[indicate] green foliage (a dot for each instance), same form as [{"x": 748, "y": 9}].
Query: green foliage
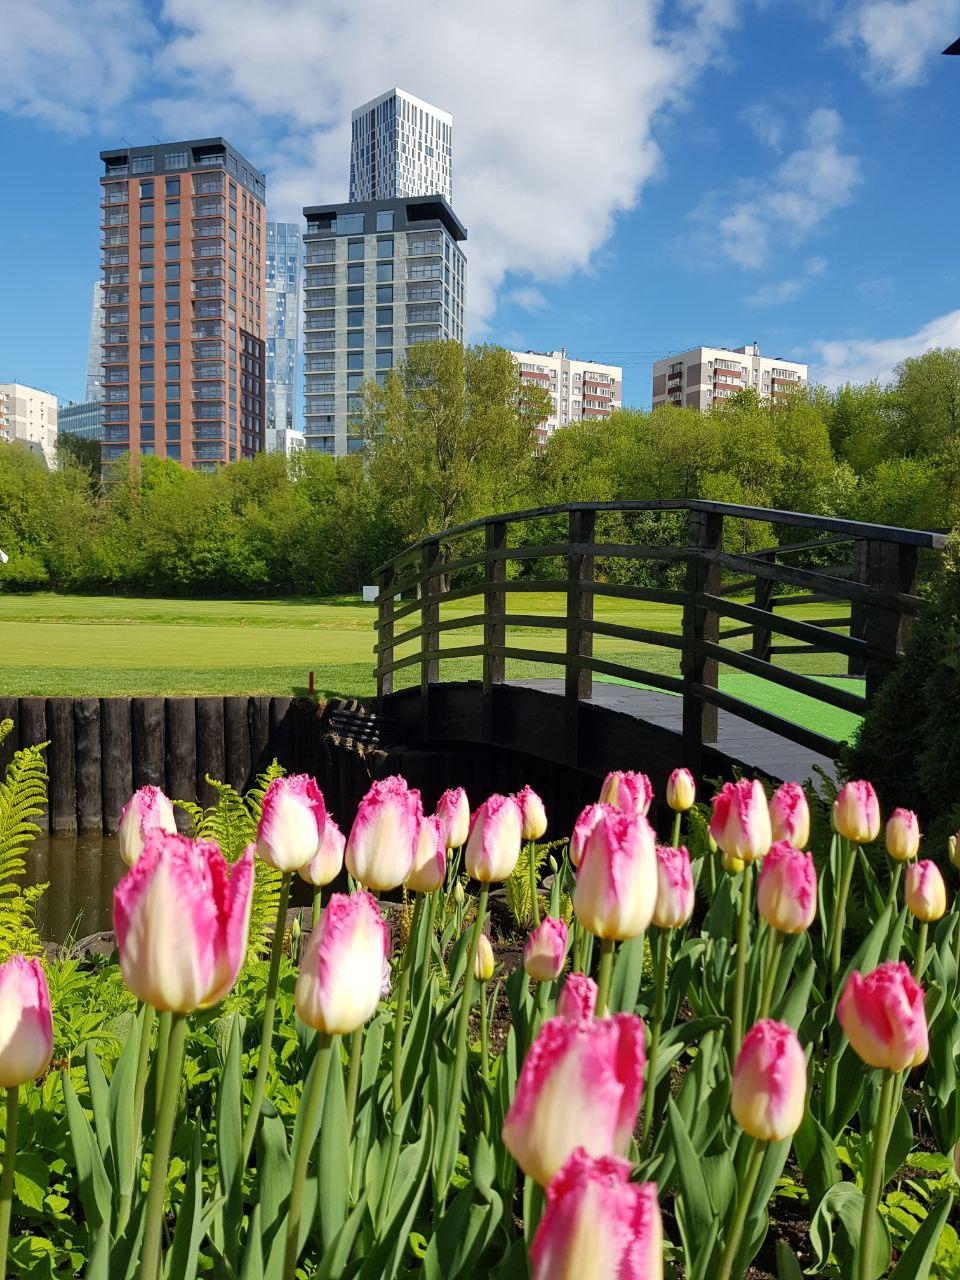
[{"x": 23, "y": 796}]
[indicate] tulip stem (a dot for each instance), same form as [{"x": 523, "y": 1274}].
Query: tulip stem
[
  {"x": 150, "y": 1268},
  {"x": 874, "y": 1179},
  {"x": 532, "y": 870},
  {"x": 353, "y": 1079},
  {"x": 743, "y": 939},
  {"x": 774, "y": 952},
  {"x": 848, "y": 857},
  {"x": 402, "y": 988},
  {"x": 919, "y": 963},
  {"x": 895, "y": 885},
  {"x": 484, "y": 1036},
  {"x": 675, "y": 834},
  {"x": 306, "y": 1137},
  {"x": 659, "y": 999},
  {"x": 452, "y": 1132},
  {"x": 605, "y": 974},
  {"x": 139, "y": 1089},
  {"x": 6, "y": 1178},
  {"x": 317, "y": 907},
  {"x": 751, "y": 1175},
  {"x": 269, "y": 1016}
]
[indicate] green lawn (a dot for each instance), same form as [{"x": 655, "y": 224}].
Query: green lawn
[{"x": 53, "y": 644}]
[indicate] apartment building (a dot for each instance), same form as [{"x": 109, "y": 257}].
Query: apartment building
[
  {"x": 92, "y": 389},
  {"x": 83, "y": 419},
  {"x": 28, "y": 416},
  {"x": 580, "y": 390},
  {"x": 283, "y": 329},
  {"x": 400, "y": 146},
  {"x": 381, "y": 276},
  {"x": 184, "y": 284},
  {"x": 704, "y": 375}
]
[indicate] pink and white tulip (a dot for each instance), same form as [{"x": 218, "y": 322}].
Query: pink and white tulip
[
  {"x": 675, "y": 892},
  {"x": 681, "y": 790},
  {"x": 787, "y": 889},
  {"x": 580, "y": 1086},
  {"x": 430, "y": 862},
  {"x": 182, "y": 920},
  {"x": 453, "y": 810},
  {"x": 341, "y": 976},
  {"x": 485, "y": 962},
  {"x": 292, "y": 819},
  {"x": 598, "y": 1225},
  {"x": 883, "y": 1017},
  {"x": 382, "y": 845},
  {"x": 26, "y": 1024},
  {"x": 856, "y": 812},
  {"x": 533, "y": 813},
  {"x": 616, "y": 888},
  {"x": 740, "y": 822},
  {"x": 493, "y": 845},
  {"x": 147, "y": 810},
  {"x": 628, "y": 791},
  {"x": 769, "y": 1087},
  {"x": 578, "y": 999},
  {"x": 327, "y": 862},
  {"x": 790, "y": 815},
  {"x": 587, "y": 820},
  {"x": 924, "y": 891},
  {"x": 903, "y": 835},
  {"x": 546, "y": 951}
]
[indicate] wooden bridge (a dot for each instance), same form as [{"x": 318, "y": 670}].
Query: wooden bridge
[{"x": 581, "y": 685}]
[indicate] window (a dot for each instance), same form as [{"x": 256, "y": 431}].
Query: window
[
  {"x": 171, "y": 332},
  {"x": 176, "y": 160},
  {"x": 146, "y": 392},
  {"x": 146, "y": 213},
  {"x": 171, "y": 292},
  {"x": 354, "y": 381},
  {"x": 146, "y": 315},
  {"x": 384, "y": 337},
  {"x": 172, "y": 186},
  {"x": 354, "y": 250},
  {"x": 173, "y": 373},
  {"x": 171, "y": 271},
  {"x": 355, "y": 339},
  {"x": 384, "y": 270},
  {"x": 354, "y": 319},
  {"x": 173, "y": 450},
  {"x": 385, "y": 247},
  {"x": 142, "y": 164},
  {"x": 355, "y": 297},
  {"x": 146, "y": 295},
  {"x": 348, "y": 224},
  {"x": 384, "y": 315},
  {"x": 173, "y": 391},
  {"x": 384, "y": 293},
  {"x": 385, "y": 220},
  {"x": 171, "y": 209},
  {"x": 146, "y": 353},
  {"x": 355, "y": 361},
  {"x": 146, "y": 373},
  {"x": 384, "y": 359},
  {"x": 172, "y": 311},
  {"x": 355, "y": 275},
  {"x": 146, "y": 253}
]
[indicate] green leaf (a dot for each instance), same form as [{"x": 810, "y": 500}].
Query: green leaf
[
  {"x": 126, "y": 1144},
  {"x": 182, "y": 1259},
  {"x": 333, "y": 1158},
  {"x": 251, "y": 1266},
  {"x": 693, "y": 1206},
  {"x": 916, "y": 1260},
  {"x": 96, "y": 1194},
  {"x": 337, "y": 1255},
  {"x": 627, "y": 974},
  {"x": 98, "y": 1268},
  {"x": 817, "y": 1157},
  {"x": 229, "y": 1111},
  {"x": 99, "y": 1102},
  {"x": 413, "y": 1171},
  {"x": 275, "y": 1166},
  {"x": 842, "y": 1207},
  {"x": 31, "y": 1178},
  {"x": 788, "y": 1268}
]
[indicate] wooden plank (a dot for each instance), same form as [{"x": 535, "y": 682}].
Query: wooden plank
[
  {"x": 62, "y": 766},
  {"x": 578, "y": 679},
  {"x": 236, "y": 734},
  {"x": 147, "y": 717},
  {"x": 600, "y": 666},
  {"x": 32, "y": 725},
  {"x": 261, "y": 753},
  {"x": 827, "y": 584},
  {"x": 787, "y": 679},
  {"x": 430, "y": 615},
  {"x": 86, "y": 732},
  {"x": 385, "y": 611},
  {"x": 210, "y": 748},
  {"x": 701, "y": 624},
  {"x": 891, "y": 571},
  {"x": 280, "y": 730},
  {"x": 792, "y": 627},
  {"x": 180, "y": 754},
  {"x": 116, "y": 755},
  {"x": 817, "y": 742},
  {"x": 9, "y": 711},
  {"x": 494, "y": 626}
]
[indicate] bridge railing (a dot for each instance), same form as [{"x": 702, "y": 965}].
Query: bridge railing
[{"x": 723, "y": 599}]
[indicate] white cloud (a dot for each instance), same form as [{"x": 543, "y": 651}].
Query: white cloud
[
  {"x": 778, "y": 292},
  {"x": 860, "y": 359},
  {"x": 757, "y": 217},
  {"x": 527, "y": 298},
  {"x": 896, "y": 41},
  {"x": 764, "y": 125}
]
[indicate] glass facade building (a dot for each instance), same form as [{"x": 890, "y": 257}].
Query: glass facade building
[
  {"x": 283, "y": 327},
  {"x": 93, "y": 389},
  {"x": 83, "y": 419},
  {"x": 400, "y": 146},
  {"x": 380, "y": 276}
]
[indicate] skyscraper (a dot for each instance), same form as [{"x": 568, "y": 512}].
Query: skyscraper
[
  {"x": 400, "y": 146},
  {"x": 95, "y": 345},
  {"x": 184, "y": 286},
  {"x": 283, "y": 327}
]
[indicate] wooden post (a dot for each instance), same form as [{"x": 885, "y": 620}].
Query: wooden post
[
  {"x": 856, "y": 663},
  {"x": 385, "y": 635},
  {"x": 891, "y": 566},
  {"x": 704, "y": 533},
  {"x": 147, "y": 727},
  {"x": 762, "y": 595},
  {"x": 236, "y": 733},
  {"x": 9, "y": 711},
  {"x": 116, "y": 758},
  {"x": 32, "y": 725},
  {"x": 86, "y": 732},
  {"x": 181, "y": 753},
  {"x": 62, "y": 766},
  {"x": 429, "y": 617},
  {"x": 494, "y": 632},
  {"x": 280, "y": 730},
  {"x": 210, "y": 748},
  {"x": 258, "y": 713},
  {"x": 578, "y": 681}
]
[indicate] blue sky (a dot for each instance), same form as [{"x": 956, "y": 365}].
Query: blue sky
[{"x": 636, "y": 177}]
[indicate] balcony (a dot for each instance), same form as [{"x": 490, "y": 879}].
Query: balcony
[
  {"x": 210, "y": 208},
  {"x": 321, "y": 279},
  {"x": 208, "y": 350},
  {"x": 208, "y": 329},
  {"x": 209, "y": 270},
  {"x": 206, "y": 186},
  {"x": 426, "y": 271},
  {"x": 116, "y": 275},
  {"x": 115, "y": 220},
  {"x": 210, "y": 229},
  {"x": 212, "y": 249},
  {"x": 318, "y": 364},
  {"x": 111, "y": 336},
  {"x": 115, "y": 258},
  {"x": 113, "y": 239},
  {"x": 212, "y": 390},
  {"x": 421, "y": 248},
  {"x": 215, "y": 290},
  {"x": 319, "y": 342},
  {"x": 317, "y": 257},
  {"x": 115, "y": 197}
]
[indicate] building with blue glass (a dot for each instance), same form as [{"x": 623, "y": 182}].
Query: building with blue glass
[{"x": 283, "y": 326}]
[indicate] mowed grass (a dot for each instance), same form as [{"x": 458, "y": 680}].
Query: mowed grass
[{"x": 91, "y": 645}]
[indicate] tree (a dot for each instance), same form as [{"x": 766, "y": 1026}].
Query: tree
[{"x": 85, "y": 453}]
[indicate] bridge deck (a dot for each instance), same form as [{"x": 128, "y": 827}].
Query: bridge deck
[{"x": 745, "y": 744}]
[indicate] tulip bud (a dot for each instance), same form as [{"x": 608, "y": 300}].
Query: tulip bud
[
  {"x": 453, "y": 810},
  {"x": 578, "y": 999},
  {"x": 182, "y": 919},
  {"x": 292, "y": 818},
  {"x": 588, "y": 819},
  {"x": 732, "y": 864},
  {"x": 597, "y": 1224},
  {"x": 681, "y": 790},
  {"x": 740, "y": 822},
  {"x": 856, "y": 812},
  {"x": 924, "y": 891},
  {"x": 769, "y": 1082},
  {"x": 327, "y": 863},
  {"x": 484, "y": 966},
  {"x": 26, "y": 1024},
  {"x": 147, "y": 810},
  {"x": 790, "y": 815},
  {"x": 579, "y": 1086},
  {"x": 883, "y": 1017},
  {"x": 341, "y": 976},
  {"x": 459, "y": 895},
  {"x": 628, "y": 791},
  {"x": 675, "y": 894},
  {"x": 533, "y": 813},
  {"x": 787, "y": 889},
  {"x": 430, "y": 863},
  {"x": 616, "y": 888},
  {"x": 953, "y": 852},
  {"x": 493, "y": 845},
  {"x": 546, "y": 950},
  {"x": 903, "y": 835},
  {"x": 383, "y": 840}
]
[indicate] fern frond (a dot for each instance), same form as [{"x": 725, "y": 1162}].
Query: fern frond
[
  {"x": 5, "y": 728},
  {"x": 256, "y": 793},
  {"x": 23, "y": 797},
  {"x": 518, "y": 882}
]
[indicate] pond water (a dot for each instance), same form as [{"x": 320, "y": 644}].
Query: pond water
[{"x": 80, "y": 871}]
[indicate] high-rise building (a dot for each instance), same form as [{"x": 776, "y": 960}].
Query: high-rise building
[
  {"x": 580, "y": 390},
  {"x": 283, "y": 328},
  {"x": 29, "y": 416},
  {"x": 83, "y": 419},
  {"x": 698, "y": 378},
  {"x": 400, "y": 146},
  {"x": 381, "y": 275},
  {"x": 93, "y": 389},
  {"x": 184, "y": 284}
]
